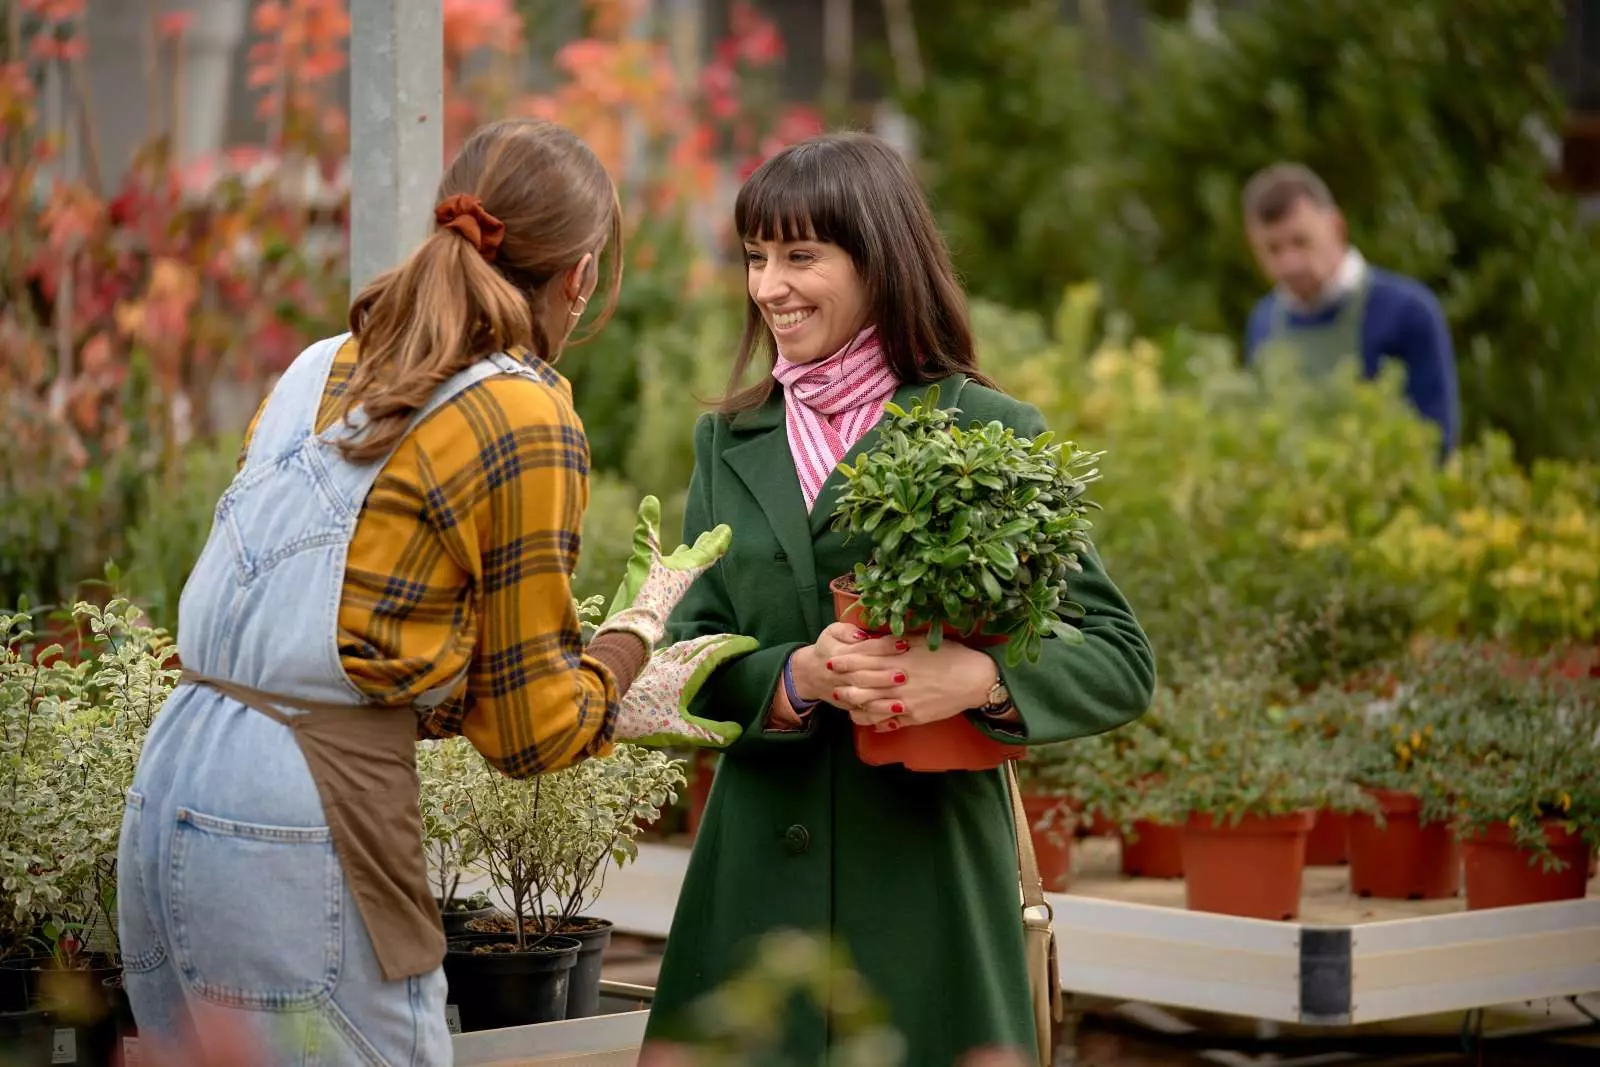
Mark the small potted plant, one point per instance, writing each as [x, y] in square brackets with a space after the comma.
[1518, 771]
[546, 843]
[1245, 786]
[976, 533]
[72, 732]
[1405, 846]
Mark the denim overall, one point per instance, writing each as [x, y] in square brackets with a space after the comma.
[272, 882]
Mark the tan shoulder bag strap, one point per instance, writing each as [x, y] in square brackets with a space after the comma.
[1027, 862]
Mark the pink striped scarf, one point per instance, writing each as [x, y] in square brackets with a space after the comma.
[831, 404]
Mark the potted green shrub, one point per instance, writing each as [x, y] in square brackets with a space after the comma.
[72, 731]
[1517, 769]
[1246, 785]
[976, 533]
[546, 844]
[1405, 847]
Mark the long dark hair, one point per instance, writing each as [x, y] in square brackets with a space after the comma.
[446, 306]
[855, 191]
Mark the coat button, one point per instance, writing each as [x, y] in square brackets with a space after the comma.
[781, 556]
[797, 839]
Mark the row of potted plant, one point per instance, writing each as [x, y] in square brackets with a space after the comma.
[1457, 765]
[72, 724]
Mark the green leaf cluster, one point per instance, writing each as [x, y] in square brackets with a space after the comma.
[974, 530]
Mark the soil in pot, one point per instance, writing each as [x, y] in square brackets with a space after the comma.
[493, 985]
[1405, 858]
[1329, 843]
[26, 1038]
[85, 1025]
[1052, 839]
[1499, 874]
[1253, 869]
[459, 912]
[1154, 850]
[952, 744]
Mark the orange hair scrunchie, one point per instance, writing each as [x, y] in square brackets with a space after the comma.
[464, 214]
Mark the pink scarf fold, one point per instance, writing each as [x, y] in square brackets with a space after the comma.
[829, 405]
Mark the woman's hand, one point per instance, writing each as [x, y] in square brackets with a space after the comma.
[912, 687]
[816, 667]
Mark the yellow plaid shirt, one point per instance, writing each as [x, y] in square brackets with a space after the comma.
[461, 560]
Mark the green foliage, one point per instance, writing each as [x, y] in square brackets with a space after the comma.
[545, 842]
[1008, 120]
[1518, 743]
[164, 544]
[70, 735]
[1421, 117]
[974, 529]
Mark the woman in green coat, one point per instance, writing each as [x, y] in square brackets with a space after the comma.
[853, 300]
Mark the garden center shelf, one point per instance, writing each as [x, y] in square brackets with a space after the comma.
[1347, 961]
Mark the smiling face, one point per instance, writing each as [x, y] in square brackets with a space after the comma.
[809, 294]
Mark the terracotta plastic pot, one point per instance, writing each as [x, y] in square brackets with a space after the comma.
[1329, 843]
[1501, 875]
[1155, 851]
[952, 744]
[1404, 859]
[1053, 846]
[1253, 869]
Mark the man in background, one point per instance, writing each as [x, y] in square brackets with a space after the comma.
[1328, 303]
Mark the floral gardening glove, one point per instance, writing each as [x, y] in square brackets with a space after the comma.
[655, 710]
[653, 584]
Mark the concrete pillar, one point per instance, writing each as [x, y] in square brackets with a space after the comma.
[396, 129]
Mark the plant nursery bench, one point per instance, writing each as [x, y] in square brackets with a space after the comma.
[1346, 962]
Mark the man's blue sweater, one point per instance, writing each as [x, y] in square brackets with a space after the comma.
[1402, 321]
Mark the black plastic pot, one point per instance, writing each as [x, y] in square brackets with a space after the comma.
[127, 1047]
[583, 999]
[455, 922]
[492, 985]
[84, 1031]
[26, 1038]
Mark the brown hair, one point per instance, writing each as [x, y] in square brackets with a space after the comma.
[448, 306]
[1274, 191]
[855, 191]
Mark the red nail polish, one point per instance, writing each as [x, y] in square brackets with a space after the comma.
[836, 694]
[903, 646]
[830, 664]
[900, 679]
[897, 709]
[891, 725]
[861, 635]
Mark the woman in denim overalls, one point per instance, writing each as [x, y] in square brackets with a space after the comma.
[392, 561]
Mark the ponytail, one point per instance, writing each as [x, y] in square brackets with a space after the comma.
[523, 201]
[419, 324]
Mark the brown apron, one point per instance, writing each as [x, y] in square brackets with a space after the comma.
[363, 758]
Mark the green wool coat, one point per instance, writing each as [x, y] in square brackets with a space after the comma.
[915, 873]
